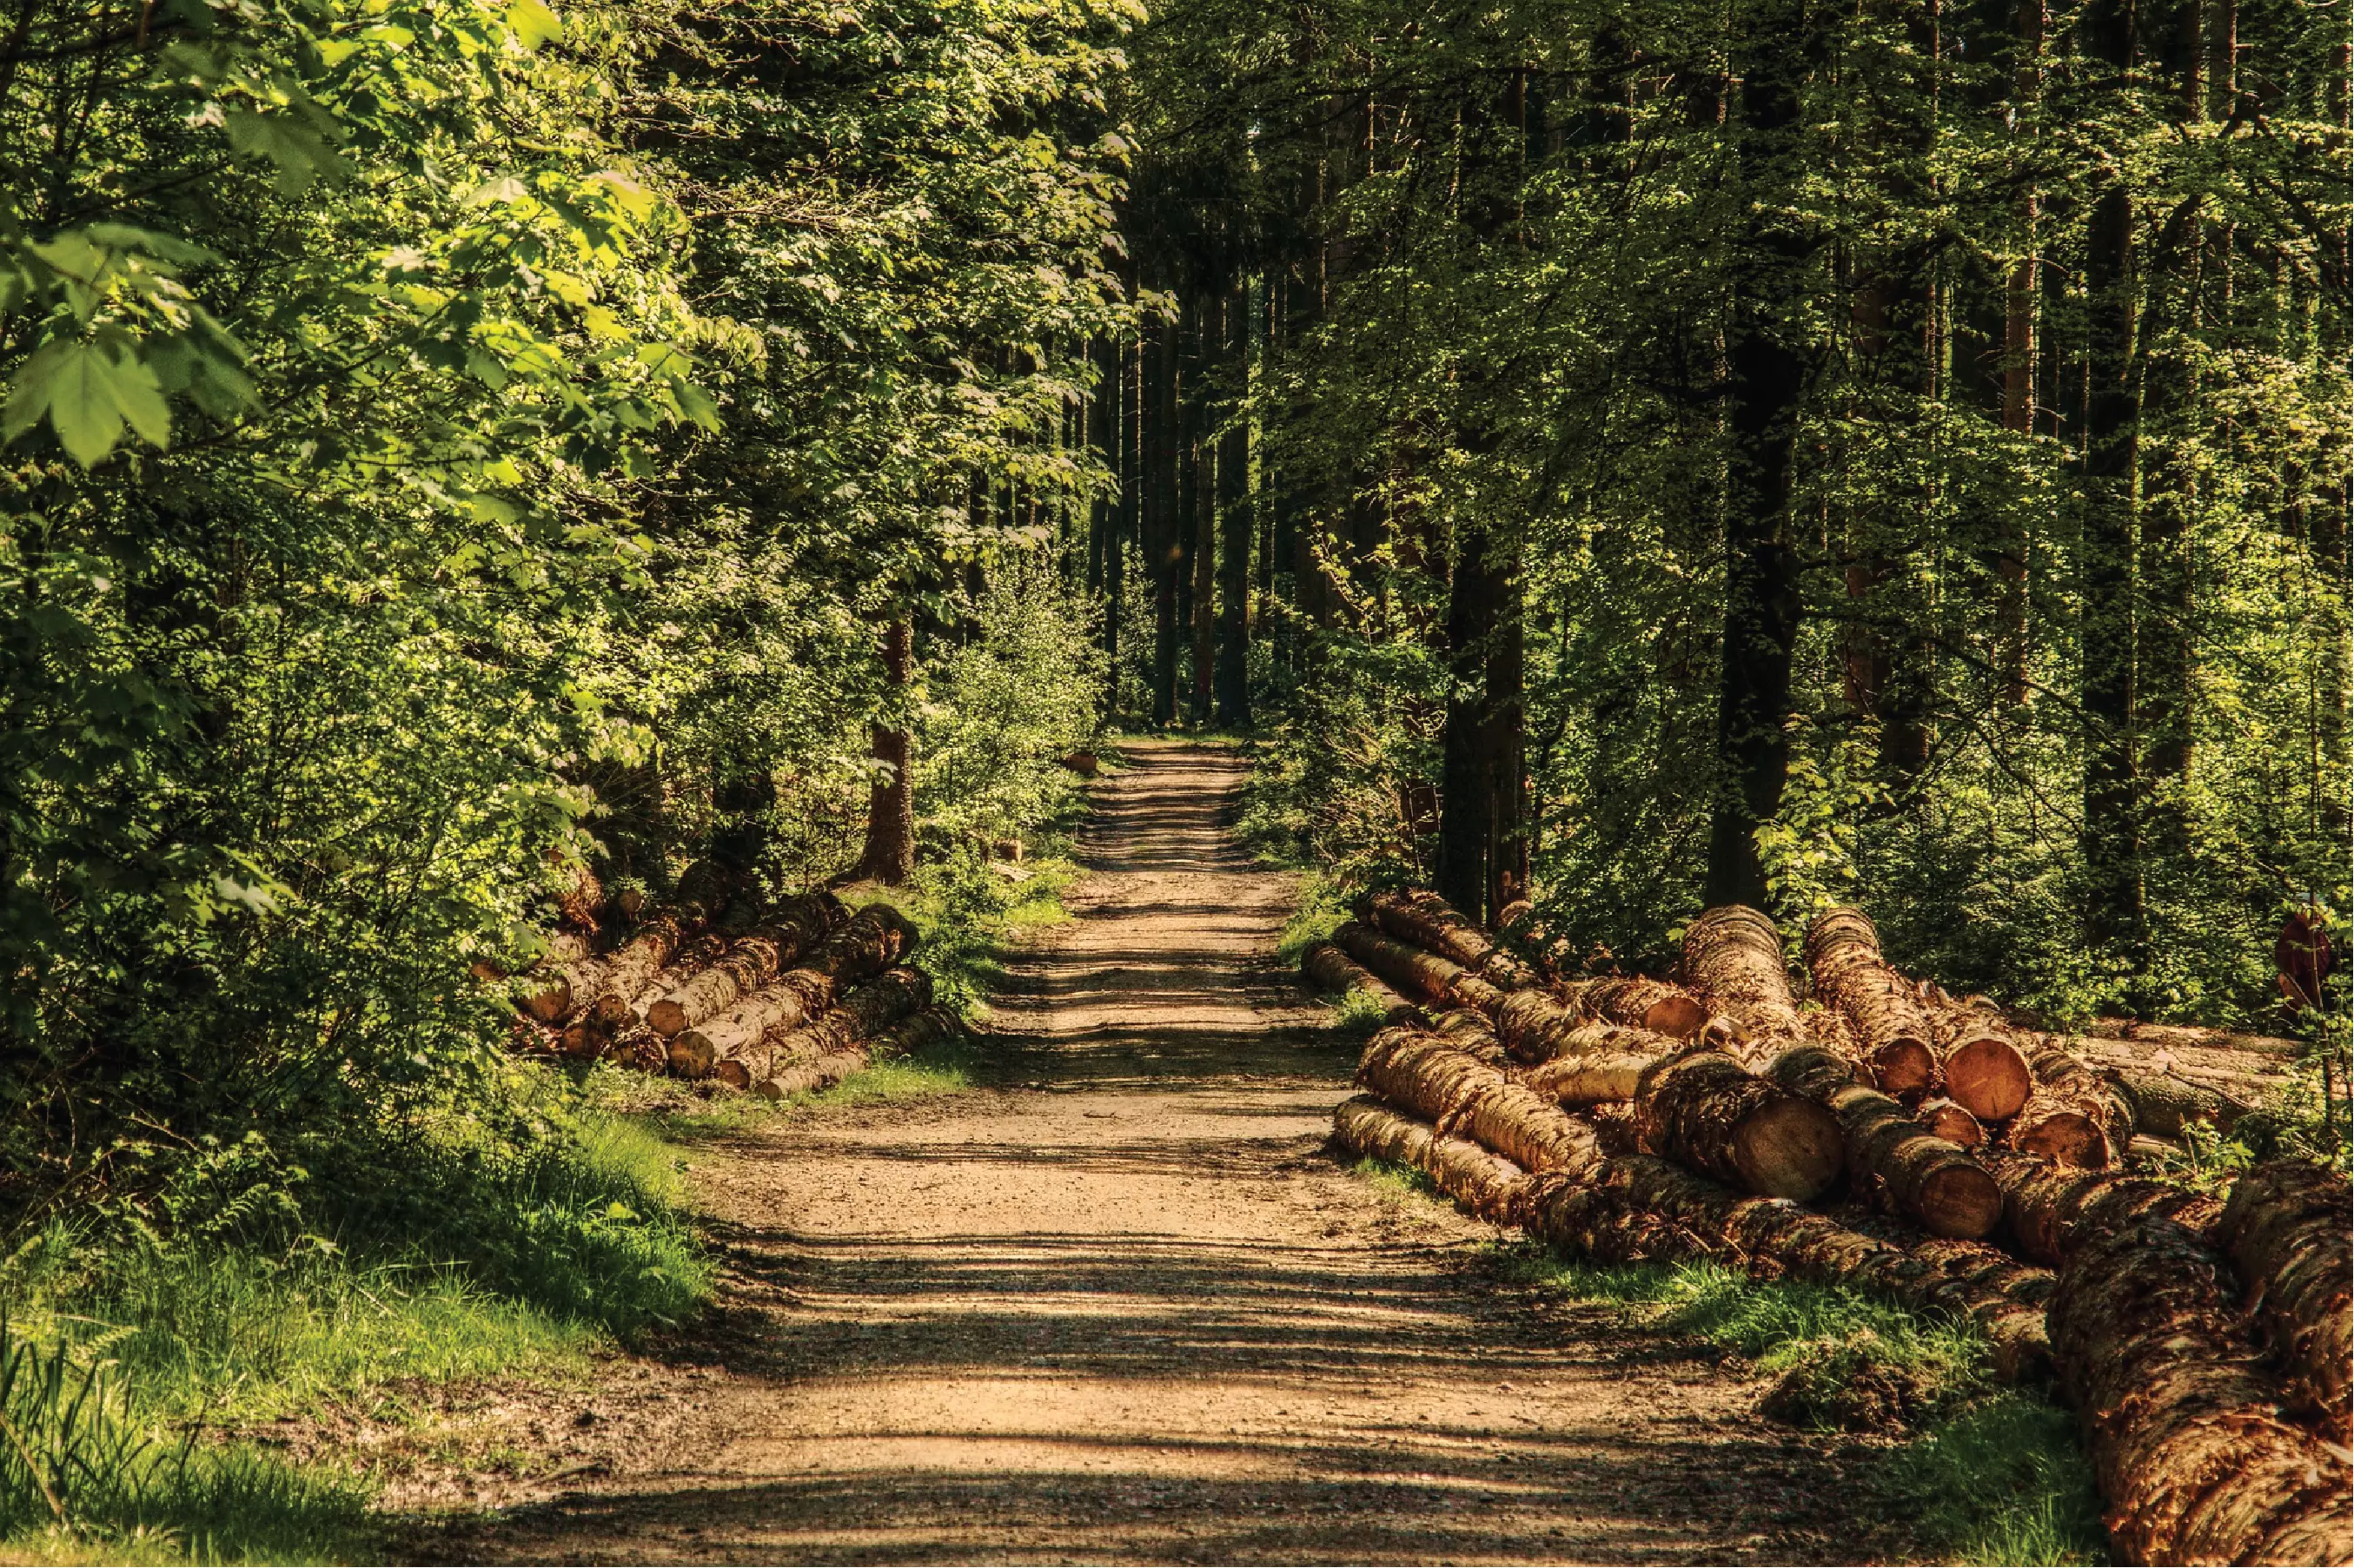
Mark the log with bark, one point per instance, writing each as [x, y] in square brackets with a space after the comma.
[1985, 1070]
[1924, 1176]
[1428, 922]
[2163, 1104]
[1597, 1062]
[2048, 1209]
[1732, 958]
[751, 961]
[1704, 1109]
[695, 1053]
[1638, 1003]
[1431, 1076]
[2189, 1447]
[705, 888]
[1485, 1183]
[1329, 968]
[866, 944]
[861, 1013]
[925, 1027]
[2285, 1229]
[590, 983]
[549, 999]
[1416, 974]
[2073, 1116]
[1894, 1034]
[581, 899]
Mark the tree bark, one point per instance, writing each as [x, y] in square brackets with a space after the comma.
[867, 944]
[1892, 1031]
[862, 1012]
[1332, 969]
[2194, 1460]
[2073, 1116]
[903, 1038]
[750, 962]
[1486, 1184]
[1423, 977]
[2284, 1228]
[1236, 522]
[1705, 1110]
[1764, 380]
[890, 855]
[1732, 958]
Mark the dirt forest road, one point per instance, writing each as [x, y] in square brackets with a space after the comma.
[1117, 1305]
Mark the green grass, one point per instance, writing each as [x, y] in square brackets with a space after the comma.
[388, 1264]
[1397, 1184]
[1358, 1012]
[1985, 1475]
[968, 915]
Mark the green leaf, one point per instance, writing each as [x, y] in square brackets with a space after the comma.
[534, 23]
[88, 396]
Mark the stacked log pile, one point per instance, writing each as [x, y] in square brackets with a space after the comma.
[2205, 1343]
[782, 1000]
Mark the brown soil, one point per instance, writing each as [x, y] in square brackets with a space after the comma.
[1118, 1305]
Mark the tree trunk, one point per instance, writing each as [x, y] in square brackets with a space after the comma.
[2073, 1116]
[1482, 854]
[890, 855]
[1165, 546]
[1332, 969]
[1433, 1077]
[2284, 1229]
[1924, 1176]
[1203, 511]
[867, 944]
[2112, 844]
[583, 984]
[1764, 380]
[1235, 524]
[862, 1012]
[1893, 1032]
[908, 1035]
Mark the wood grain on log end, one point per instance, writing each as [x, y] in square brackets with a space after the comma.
[1988, 1075]
[1789, 1147]
[1949, 1121]
[1904, 1067]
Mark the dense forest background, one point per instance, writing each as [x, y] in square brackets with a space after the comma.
[1621, 458]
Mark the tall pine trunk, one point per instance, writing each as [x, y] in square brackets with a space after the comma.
[1235, 523]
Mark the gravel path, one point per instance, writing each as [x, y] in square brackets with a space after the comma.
[1117, 1305]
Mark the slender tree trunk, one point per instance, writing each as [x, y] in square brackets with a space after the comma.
[2113, 846]
[1165, 549]
[1201, 452]
[1765, 379]
[891, 802]
[1235, 527]
[2019, 353]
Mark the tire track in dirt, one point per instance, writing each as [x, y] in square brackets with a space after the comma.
[1117, 1305]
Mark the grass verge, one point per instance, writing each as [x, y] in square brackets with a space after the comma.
[1980, 1474]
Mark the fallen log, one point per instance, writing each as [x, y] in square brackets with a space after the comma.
[705, 888]
[2194, 1037]
[1428, 922]
[2188, 1446]
[1485, 1183]
[1638, 1003]
[911, 1035]
[861, 1013]
[1984, 1068]
[2073, 1116]
[1732, 958]
[2163, 1104]
[1924, 1176]
[2050, 1209]
[1422, 976]
[1597, 1062]
[1432, 1077]
[695, 1053]
[1329, 969]
[2284, 1228]
[751, 961]
[590, 983]
[1949, 1121]
[1704, 1109]
[1893, 1032]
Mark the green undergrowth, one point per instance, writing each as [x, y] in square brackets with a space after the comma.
[1322, 908]
[346, 1276]
[968, 914]
[1394, 1182]
[1978, 1473]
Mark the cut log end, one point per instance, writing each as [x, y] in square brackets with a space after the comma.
[1904, 1067]
[667, 1017]
[1789, 1147]
[2066, 1137]
[1960, 1200]
[1681, 1016]
[733, 1074]
[1987, 1076]
[1949, 1121]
